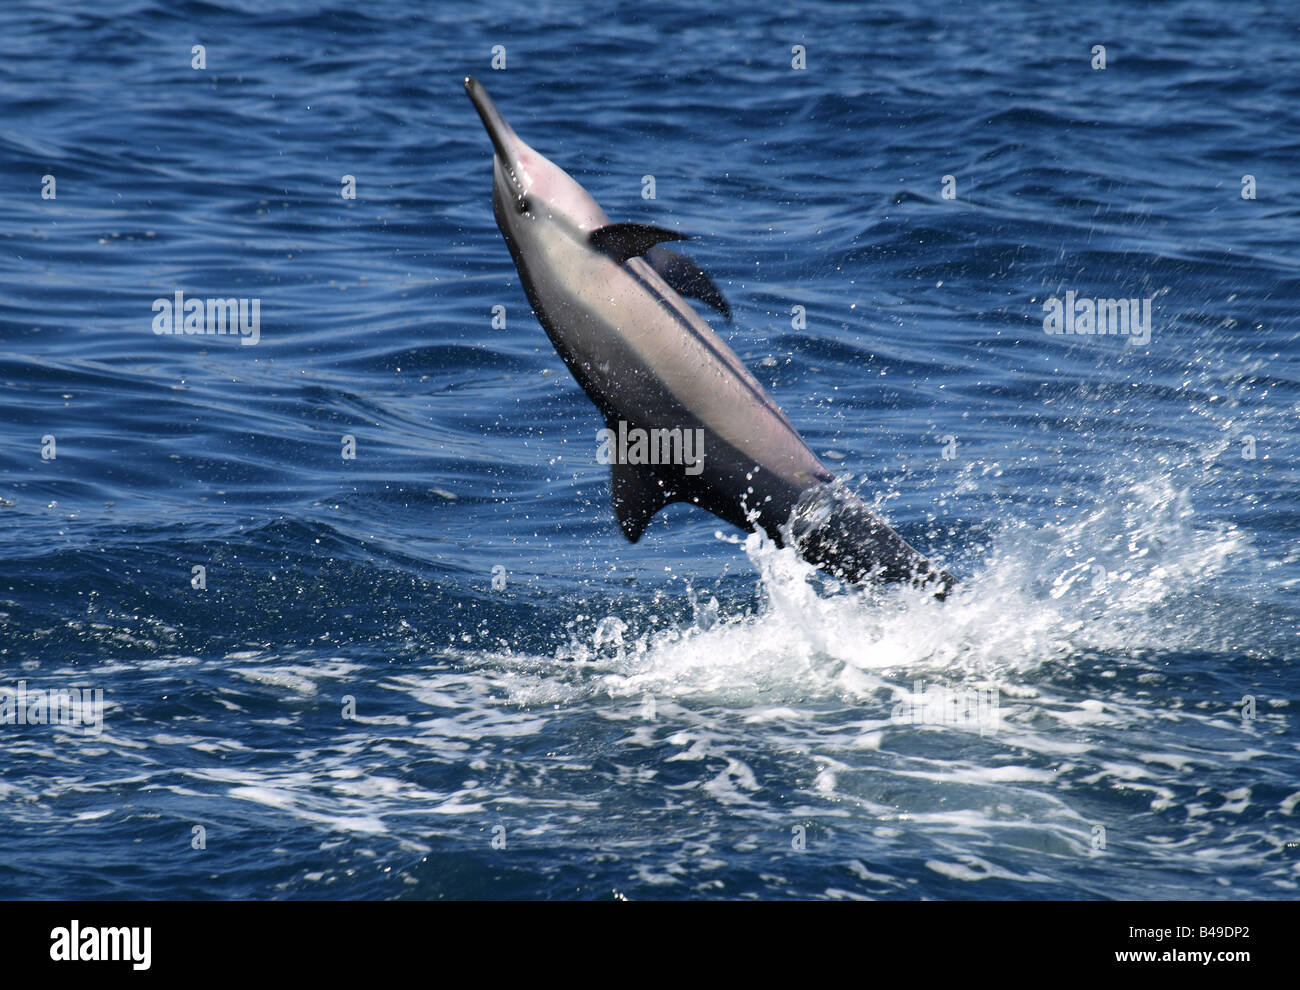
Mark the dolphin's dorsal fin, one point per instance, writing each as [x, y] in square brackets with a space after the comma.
[686, 277]
[630, 240]
[640, 490]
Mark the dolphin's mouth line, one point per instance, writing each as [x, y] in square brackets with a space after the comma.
[498, 130]
[521, 197]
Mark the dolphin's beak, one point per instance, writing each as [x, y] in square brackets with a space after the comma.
[503, 136]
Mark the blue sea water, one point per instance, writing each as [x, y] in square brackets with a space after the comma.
[436, 670]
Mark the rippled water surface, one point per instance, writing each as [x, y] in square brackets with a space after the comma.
[437, 669]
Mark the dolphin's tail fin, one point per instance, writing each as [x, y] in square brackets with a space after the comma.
[832, 528]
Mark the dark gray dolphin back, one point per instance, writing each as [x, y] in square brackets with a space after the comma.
[834, 529]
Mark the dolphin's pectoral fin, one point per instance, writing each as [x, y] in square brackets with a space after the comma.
[686, 277]
[630, 240]
[640, 490]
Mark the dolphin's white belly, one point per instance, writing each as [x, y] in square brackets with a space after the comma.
[650, 355]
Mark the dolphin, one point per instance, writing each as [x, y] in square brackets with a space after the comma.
[610, 297]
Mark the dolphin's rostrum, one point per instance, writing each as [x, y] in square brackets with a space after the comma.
[609, 296]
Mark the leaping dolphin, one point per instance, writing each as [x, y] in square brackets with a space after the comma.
[609, 295]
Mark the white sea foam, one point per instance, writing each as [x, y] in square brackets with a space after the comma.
[1123, 577]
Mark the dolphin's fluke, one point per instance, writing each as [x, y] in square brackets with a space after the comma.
[832, 528]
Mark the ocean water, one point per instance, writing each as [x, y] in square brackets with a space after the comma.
[435, 669]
